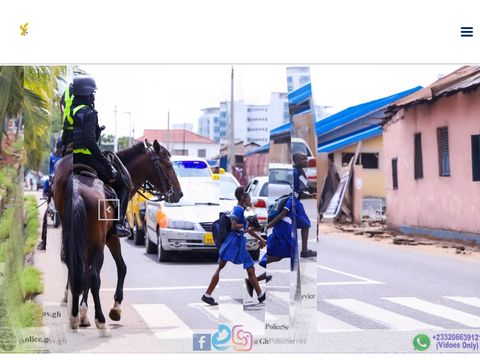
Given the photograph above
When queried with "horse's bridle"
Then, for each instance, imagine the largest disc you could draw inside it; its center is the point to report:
(164, 180)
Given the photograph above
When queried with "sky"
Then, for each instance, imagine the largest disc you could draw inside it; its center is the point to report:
(149, 92)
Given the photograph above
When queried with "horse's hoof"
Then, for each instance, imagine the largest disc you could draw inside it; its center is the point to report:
(103, 330)
(115, 314)
(74, 322)
(84, 322)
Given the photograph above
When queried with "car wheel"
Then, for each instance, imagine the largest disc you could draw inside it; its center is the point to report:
(138, 235)
(151, 247)
(162, 255)
(255, 254)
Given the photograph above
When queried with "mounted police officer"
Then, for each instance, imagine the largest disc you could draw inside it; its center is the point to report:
(66, 109)
(86, 134)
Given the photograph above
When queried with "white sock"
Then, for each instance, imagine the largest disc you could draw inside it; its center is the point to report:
(261, 294)
(206, 295)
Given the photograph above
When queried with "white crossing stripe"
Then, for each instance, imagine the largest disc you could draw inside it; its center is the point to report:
(329, 324)
(233, 311)
(325, 323)
(473, 301)
(364, 280)
(385, 317)
(164, 323)
(437, 310)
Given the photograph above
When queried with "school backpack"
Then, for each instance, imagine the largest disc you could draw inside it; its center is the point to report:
(277, 208)
(221, 227)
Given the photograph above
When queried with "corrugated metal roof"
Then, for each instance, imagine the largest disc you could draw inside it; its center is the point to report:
(351, 123)
(351, 139)
(354, 113)
(465, 78)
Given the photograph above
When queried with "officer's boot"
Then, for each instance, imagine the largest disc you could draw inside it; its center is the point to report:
(121, 226)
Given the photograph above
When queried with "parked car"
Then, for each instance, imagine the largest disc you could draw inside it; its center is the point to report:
(280, 181)
(258, 190)
(300, 145)
(228, 184)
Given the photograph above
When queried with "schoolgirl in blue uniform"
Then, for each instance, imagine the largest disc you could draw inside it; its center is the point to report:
(234, 248)
(280, 243)
(302, 221)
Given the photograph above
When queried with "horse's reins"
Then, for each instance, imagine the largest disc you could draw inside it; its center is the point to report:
(165, 182)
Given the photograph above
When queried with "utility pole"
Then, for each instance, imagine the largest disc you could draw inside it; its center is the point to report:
(231, 132)
(168, 130)
(130, 132)
(183, 151)
(115, 143)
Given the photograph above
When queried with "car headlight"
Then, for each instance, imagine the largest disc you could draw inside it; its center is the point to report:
(180, 224)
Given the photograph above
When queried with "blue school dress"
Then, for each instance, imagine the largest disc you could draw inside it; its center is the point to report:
(234, 248)
(299, 186)
(280, 242)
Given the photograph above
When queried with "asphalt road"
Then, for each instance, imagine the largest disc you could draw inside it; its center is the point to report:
(359, 296)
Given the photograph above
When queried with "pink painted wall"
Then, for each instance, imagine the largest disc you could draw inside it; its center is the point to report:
(450, 203)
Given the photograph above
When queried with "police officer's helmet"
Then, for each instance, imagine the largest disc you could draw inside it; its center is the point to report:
(84, 85)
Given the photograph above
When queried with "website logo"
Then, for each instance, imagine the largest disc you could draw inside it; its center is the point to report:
(242, 340)
(202, 342)
(223, 339)
(24, 29)
(421, 342)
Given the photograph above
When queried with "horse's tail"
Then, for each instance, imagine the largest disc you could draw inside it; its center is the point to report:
(74, 235)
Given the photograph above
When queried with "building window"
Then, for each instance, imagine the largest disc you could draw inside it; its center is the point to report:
(395, 174)
(418, 159)
(476, 157)
(443, 157)
(367, 160)
(202, 153)
(180, 152)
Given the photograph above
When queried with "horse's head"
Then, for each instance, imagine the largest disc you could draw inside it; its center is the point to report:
(161, 173)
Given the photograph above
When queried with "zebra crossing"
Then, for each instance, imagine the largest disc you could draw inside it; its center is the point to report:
(166, 324)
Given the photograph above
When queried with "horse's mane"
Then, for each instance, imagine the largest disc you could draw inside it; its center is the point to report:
(132, 152)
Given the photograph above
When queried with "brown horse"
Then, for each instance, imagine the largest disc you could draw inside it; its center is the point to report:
(80, 201)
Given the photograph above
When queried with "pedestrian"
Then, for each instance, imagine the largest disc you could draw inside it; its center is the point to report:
(234, 248)
(280, 243)
(300, 161)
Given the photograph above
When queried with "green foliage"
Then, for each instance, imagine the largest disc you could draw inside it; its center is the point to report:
(30, 314)
(32, 282)
(7, 174)
(32, 223)
(34, 92)
(6, 224)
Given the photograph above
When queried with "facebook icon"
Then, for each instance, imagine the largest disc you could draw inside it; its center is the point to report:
(202, 342)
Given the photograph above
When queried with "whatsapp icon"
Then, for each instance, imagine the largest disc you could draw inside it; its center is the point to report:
(421, 342)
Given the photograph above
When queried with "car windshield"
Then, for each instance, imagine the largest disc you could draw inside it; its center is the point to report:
(299, 147)
(191, 168)
(264, 191)
(280, 176)
(227, 188)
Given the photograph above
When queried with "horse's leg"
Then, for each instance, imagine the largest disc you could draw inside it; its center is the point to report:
(95, 286)
(84, 322)
(73, 310)
(114, 245)
(64, 300)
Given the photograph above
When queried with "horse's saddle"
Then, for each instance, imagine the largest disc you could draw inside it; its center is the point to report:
(85, 170)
